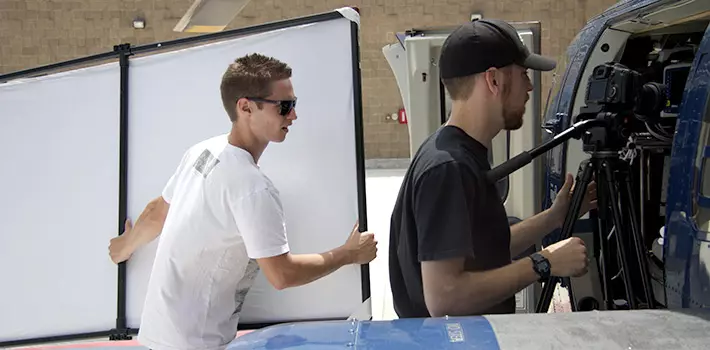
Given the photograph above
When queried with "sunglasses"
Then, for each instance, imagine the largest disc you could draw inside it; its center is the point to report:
(285, 106)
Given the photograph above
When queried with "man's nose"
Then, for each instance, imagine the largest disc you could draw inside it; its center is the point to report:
(292, 115)
(528, 81)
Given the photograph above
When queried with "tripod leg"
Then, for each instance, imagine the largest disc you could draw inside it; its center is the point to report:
(570, 294)
(619, 230)
(584, 177)
(636, 236)
(602, 243)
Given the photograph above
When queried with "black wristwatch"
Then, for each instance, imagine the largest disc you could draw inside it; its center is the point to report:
(541, 266)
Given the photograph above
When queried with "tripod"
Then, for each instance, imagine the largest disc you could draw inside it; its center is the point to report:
(616, 217)
(615, 210)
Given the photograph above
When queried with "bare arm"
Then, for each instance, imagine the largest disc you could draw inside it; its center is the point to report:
(293, 270)
(526, 233)
(449, 290)
(447, 217)
(530, 231)
(150, 222)
(146, 228)
(260, 218)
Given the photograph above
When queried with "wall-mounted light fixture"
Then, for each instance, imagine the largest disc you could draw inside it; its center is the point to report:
(139, 23)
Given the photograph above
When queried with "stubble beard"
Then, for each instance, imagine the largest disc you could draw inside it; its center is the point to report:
(512, 119)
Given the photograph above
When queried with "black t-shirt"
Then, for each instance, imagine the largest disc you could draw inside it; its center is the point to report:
(446, 209)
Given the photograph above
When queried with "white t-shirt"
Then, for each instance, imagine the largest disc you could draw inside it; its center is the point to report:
(224, 213)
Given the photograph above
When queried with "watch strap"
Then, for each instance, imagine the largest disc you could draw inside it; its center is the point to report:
(541, 266)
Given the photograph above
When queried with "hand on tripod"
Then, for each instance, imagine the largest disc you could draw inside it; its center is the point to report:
(568, 258)
(562, 202)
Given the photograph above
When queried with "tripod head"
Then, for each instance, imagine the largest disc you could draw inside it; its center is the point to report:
(615, 101)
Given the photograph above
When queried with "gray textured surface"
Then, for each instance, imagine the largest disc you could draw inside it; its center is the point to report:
(641, 329)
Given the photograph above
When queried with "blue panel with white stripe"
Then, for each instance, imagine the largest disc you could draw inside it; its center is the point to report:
(411, 334)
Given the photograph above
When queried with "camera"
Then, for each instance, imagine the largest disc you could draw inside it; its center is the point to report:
(618, 95)
(614, 88)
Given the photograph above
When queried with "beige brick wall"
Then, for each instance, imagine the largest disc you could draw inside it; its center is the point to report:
(38, 32)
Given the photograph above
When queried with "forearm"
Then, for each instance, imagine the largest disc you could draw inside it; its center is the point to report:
(530, 231)
(306, 268)
(474, 292)
(149, 224)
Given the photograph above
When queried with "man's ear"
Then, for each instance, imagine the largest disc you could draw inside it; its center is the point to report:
(493, 80)
(243, 106)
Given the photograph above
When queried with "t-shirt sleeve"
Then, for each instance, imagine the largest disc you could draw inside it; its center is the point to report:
(169, 188)
(442, 213)
(260, 220)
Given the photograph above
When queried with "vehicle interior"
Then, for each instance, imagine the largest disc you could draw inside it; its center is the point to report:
(660, 45)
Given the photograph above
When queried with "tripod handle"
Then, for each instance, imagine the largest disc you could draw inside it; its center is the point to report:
(509, 166)
(525, 157)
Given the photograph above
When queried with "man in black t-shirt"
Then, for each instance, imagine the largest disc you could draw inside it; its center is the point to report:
(450, 241)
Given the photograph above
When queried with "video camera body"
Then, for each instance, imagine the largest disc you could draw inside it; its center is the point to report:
(617, 95)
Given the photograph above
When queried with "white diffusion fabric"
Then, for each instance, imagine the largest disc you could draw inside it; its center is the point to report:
(175, 102)
(59, 146)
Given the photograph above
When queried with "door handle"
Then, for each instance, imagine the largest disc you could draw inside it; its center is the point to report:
(554, 126)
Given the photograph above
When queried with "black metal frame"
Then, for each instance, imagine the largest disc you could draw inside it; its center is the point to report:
(123, 52)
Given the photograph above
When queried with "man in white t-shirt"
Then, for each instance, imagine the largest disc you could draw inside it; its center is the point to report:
(221, 221)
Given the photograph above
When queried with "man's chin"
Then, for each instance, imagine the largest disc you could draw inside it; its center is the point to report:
(279, 139)
(516, 126)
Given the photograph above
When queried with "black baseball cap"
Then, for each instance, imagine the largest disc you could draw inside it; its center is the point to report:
(481, 44)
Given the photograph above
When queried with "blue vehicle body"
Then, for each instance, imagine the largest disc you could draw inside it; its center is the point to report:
(687, 276)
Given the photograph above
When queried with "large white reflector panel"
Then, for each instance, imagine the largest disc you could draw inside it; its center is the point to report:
(175, 102)
(59, 146)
